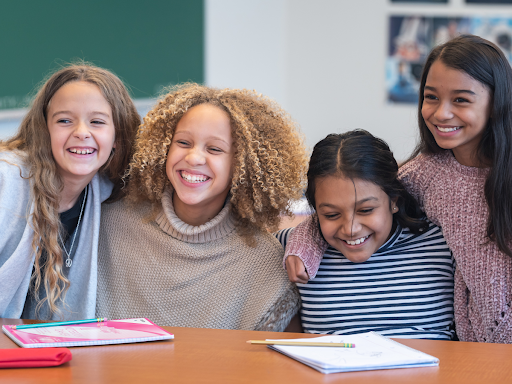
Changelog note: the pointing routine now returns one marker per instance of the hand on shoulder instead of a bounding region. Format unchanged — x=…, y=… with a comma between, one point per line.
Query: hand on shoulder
x=296, y=270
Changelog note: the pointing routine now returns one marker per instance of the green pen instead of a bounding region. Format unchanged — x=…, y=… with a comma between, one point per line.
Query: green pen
x=72, y=322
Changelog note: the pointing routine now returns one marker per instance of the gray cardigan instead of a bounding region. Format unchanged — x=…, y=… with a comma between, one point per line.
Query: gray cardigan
x=16, y=253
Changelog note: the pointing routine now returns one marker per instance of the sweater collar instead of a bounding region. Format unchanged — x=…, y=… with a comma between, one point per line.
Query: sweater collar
x=220, y=226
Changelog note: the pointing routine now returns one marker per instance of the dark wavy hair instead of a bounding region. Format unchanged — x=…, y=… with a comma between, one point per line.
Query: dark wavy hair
x=360, y=155
x=486, y=63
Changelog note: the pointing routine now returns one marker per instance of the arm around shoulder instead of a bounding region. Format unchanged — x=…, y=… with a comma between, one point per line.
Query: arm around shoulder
x=306, y=243
x=415, y=176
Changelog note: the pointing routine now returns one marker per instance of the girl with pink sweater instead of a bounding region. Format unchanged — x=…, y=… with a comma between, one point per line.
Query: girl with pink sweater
x=461, y=174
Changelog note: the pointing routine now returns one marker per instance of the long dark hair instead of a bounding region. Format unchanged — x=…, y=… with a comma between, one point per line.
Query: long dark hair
x=486, y=63
x=360, y=155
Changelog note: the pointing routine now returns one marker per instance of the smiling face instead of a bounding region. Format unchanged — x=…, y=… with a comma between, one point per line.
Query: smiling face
x=81, y=130
x=456, y=109
x=200, y=163
x=355, y=217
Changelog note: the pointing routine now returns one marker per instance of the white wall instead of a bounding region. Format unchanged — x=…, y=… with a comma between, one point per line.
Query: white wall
x=323, y=60
x=245, y=45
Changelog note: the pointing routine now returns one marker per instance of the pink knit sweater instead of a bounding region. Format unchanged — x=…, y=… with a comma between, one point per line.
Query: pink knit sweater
x=452, y=196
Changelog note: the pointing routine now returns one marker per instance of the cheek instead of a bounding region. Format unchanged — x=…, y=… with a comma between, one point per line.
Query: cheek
x=57, y=142
x=386, y=225
x=224, y=169
x=175, y=156
x=113, y=139
x=482, y=119
x=328, y=228
x=426, y=112
x=169, y=166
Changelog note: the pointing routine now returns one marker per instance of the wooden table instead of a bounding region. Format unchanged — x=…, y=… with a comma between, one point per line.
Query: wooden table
x=222, y=356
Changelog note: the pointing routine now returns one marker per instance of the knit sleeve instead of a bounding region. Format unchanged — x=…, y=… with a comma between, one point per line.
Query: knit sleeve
x=415, y=176
x=464, y=329
x=280, y=314
x=307, y=243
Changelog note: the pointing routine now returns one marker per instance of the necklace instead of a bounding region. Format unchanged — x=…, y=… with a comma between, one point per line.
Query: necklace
x=69, y=262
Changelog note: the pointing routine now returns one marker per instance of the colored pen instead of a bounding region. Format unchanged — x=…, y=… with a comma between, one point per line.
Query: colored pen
x=59, y=323
x=302, y=343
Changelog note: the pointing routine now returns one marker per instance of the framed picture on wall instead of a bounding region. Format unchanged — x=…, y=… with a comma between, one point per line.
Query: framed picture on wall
x=411, y=38
x=489, y=1
x=420, y=1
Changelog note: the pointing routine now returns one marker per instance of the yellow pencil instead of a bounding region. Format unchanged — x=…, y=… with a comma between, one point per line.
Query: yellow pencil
x=302, y=343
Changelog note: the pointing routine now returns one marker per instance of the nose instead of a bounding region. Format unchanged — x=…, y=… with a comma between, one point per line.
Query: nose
x=195, y=157
x=82, y=131
x=350, y=227
x=443, y=112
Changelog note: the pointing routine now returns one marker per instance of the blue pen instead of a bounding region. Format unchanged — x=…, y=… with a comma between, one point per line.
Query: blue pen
x=72, y=322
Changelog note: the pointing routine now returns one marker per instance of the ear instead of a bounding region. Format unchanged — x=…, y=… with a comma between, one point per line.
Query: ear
x=393, y=206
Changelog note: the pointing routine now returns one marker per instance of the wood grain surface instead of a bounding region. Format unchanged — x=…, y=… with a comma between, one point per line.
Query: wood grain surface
x=223, y=356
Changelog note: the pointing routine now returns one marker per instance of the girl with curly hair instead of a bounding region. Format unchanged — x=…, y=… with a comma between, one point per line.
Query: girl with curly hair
x=213, y=169
x=54, y=174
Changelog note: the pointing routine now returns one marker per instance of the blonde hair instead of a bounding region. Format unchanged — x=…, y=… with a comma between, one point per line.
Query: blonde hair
x=33, y=139
x=270, y=160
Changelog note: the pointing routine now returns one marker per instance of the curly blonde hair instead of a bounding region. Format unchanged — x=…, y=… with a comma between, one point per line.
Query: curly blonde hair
x=33, y=141
x=270, y=159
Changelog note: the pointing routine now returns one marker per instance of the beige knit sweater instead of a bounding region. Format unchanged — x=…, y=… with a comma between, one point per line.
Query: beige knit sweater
x=179, y=275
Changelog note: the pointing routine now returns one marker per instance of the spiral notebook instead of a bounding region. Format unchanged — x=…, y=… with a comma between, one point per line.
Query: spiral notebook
x=372, y=351
x=78, y=335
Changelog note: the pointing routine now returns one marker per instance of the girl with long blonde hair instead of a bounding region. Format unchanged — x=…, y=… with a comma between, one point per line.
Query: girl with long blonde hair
x=68, y=156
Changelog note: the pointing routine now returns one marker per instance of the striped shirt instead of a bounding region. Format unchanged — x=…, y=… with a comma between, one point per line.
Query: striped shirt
x=405, y=289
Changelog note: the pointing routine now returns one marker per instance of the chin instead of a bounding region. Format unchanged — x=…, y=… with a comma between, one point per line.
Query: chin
x=358, y=260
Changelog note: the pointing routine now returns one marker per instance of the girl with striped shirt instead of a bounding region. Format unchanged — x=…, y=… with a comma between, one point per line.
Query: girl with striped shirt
x=385, y=267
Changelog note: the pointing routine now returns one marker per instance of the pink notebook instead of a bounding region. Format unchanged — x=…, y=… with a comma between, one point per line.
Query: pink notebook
x=109, y=332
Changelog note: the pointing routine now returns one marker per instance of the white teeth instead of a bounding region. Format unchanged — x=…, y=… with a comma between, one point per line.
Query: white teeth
x=193, y=178
x=81, y=152
x=357, y=241
x=447, y=129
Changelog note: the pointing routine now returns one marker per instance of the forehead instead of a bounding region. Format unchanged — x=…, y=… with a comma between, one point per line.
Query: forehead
x=79, y=94
x=344, y=191
x=443, y=77
x=204, y=115
x=205, y=122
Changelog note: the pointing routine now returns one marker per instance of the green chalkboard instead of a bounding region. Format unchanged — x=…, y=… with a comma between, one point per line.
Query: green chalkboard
x=148, y=44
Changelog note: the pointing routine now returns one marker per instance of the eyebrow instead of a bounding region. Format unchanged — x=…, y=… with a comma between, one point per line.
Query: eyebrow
x=92, y=113
x=209, y=138
x=370, y=198
x=428, y=87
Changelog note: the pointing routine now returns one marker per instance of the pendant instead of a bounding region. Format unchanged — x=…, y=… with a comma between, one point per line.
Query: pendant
x=69, y=262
